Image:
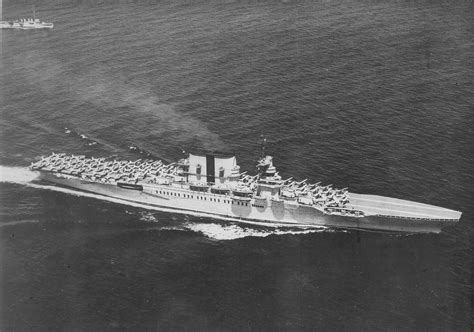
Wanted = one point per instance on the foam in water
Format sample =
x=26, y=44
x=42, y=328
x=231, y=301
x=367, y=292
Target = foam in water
x=17, y=222
x=89, y=141
x=232, y=232
x=148, y=217
x=24, y=176
x=20, y=175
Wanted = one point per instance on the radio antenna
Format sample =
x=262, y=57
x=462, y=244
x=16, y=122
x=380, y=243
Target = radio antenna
x=263, y=145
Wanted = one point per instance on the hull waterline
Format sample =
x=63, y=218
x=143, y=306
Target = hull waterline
x=276, y=213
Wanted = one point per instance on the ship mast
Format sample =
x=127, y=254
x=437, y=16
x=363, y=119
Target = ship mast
x=263, y=145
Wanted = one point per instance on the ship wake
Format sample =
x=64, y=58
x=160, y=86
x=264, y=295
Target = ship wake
x=19, y=175
x=26, y=177
x=234, y=231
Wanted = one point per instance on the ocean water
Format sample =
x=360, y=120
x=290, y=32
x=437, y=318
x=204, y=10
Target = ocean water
x=376, y=96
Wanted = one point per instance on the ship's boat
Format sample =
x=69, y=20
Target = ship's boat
x=242, y=195
x=202, y=187
x=211, y=183
x=130, y=186
x=220, y=190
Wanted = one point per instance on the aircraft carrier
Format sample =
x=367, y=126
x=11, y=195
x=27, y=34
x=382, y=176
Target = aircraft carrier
x=212, y=184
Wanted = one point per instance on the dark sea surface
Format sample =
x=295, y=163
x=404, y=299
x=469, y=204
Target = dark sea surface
x=373, y=95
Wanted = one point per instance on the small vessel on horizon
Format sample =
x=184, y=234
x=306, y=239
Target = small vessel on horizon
x=26, y=23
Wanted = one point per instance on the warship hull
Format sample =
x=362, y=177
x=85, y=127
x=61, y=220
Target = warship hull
x=380, y=213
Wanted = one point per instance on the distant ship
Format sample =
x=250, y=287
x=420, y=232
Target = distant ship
x=211, y=183
x=26, y=23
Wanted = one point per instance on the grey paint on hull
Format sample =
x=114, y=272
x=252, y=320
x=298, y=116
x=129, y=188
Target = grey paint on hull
x=282, y=213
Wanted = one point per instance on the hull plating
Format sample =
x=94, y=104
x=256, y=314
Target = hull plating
x=278, y=212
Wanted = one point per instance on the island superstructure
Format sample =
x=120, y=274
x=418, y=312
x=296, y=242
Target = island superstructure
x=212, y=183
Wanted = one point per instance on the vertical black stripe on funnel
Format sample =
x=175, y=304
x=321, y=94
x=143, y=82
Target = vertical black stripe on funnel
x=210, y=168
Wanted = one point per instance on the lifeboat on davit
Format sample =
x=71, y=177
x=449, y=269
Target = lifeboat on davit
x=130, y=186
x=242, y=194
